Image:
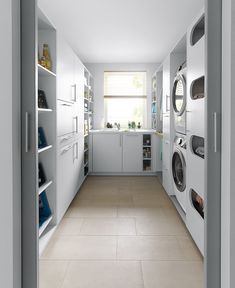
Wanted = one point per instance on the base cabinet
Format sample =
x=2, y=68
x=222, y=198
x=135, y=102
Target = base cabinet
x=132, y=154
x=117, y=152
x=107, y=152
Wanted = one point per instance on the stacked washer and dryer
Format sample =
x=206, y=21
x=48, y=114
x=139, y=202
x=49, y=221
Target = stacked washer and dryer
x=179, y=100
x=187, y=161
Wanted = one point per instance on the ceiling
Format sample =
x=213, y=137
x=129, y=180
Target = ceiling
x=122, y=31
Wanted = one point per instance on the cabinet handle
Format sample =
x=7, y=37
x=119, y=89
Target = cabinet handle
x=120, y=140
x=75, y=119
x=75, y=147
x=66, y=149
x=65, y=104
x=65, y=138
x=26, y=132
x=74, y=93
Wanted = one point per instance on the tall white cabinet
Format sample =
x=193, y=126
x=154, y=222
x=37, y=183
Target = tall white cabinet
x=70, y=125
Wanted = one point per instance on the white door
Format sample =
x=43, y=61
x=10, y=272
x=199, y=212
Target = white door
x=107, y=152
x=132, y=152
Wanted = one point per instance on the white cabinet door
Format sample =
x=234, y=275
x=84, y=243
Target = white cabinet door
x=65, y=71
x=65, y=185
x=132, y=152
x=107, y=152
x=66, y=122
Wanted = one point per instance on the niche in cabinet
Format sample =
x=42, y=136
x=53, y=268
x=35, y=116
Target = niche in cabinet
x=198, y=88
x=198, y=31
x=197, y=145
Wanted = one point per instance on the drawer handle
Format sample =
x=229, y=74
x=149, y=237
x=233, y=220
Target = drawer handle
x=66, y=149
x=65, y=104
x=65, y=138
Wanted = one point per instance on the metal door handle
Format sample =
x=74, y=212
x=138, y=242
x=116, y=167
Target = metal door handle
x=216, y=132
x=26, y=132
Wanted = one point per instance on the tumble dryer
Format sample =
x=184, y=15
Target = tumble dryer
x=179, y=169
x=179, y=100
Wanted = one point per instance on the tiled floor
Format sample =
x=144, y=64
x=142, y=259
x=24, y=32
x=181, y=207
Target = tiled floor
x=121, y=232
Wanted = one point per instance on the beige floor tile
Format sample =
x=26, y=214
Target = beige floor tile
x=148, y=248
x=151, y=199
x=189, y=249
x=81, y=247
x=160, y=225
x=104, y=274
x=112, y=226
x=169, y=274
x=52, y=273
x=139, y=211
x=92, y=210
x=69, y=226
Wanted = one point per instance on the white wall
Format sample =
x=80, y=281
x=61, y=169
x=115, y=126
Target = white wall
x=10, y=218
x=97, y=70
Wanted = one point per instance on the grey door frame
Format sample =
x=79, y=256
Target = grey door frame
x=213, y=91
x=29, y=126
x=213, y=162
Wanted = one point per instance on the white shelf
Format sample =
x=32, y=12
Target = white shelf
x=44, y=149
x=45, y=72
x=44, y=110
x=86, y=164
x=147, y=159
x=44, y=225
x=44, y=187
x=85, y=150
x=85, y=135
x=146, y=146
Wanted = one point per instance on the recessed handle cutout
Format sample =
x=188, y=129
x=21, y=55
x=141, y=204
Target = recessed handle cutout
x=198, y=88
x=198, y=31
x=197, y=202
x=197, y=145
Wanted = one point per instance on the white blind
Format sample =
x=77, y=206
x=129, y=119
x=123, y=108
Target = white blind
x=125, y=84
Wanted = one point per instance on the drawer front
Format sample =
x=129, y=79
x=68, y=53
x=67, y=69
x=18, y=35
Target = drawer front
x=67, y=122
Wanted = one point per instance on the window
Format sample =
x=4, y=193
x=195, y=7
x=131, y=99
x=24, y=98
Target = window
x=125, y=97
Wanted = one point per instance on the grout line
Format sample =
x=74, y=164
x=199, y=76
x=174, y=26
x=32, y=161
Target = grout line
x=142, y=273
x=65, y=274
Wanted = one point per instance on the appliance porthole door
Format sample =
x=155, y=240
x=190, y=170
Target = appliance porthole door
x=178, y=170
x=179, y=94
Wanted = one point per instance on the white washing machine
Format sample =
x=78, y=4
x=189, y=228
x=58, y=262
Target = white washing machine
x=178, y=168
x=179, y=100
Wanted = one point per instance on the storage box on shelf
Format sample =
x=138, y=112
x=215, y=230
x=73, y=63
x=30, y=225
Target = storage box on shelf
x=46, y=123
x=196, y=131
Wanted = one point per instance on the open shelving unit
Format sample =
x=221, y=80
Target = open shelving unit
x=156, y=104
x=47, y=120
x=147, y=152
x=88, y=116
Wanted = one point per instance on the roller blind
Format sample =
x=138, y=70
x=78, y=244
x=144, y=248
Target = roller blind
x=125, y=84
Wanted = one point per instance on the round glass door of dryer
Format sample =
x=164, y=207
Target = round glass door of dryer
x=179, y=170
x=179, y=94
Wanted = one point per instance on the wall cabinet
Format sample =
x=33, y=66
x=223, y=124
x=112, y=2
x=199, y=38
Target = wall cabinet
x=107, y=152
x=65, y=68
x=132, y=152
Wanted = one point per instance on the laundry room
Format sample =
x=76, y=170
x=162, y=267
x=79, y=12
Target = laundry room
x=120, y=130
